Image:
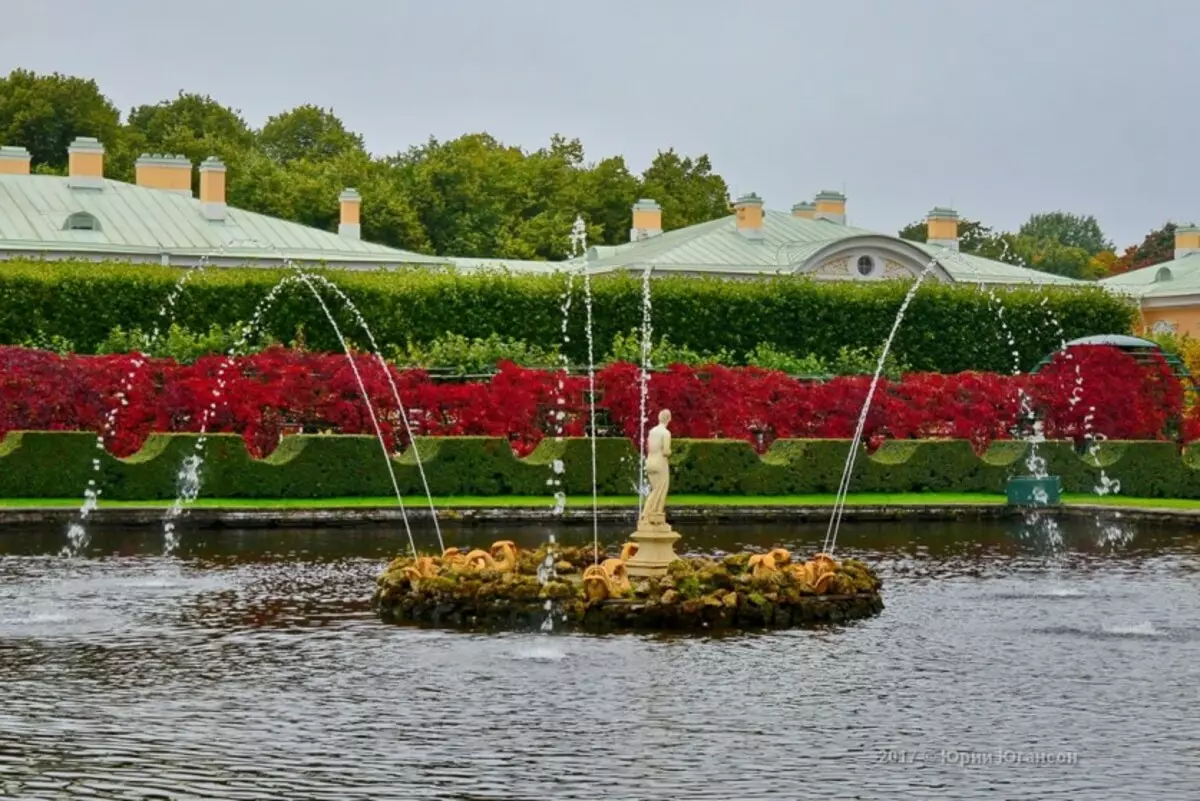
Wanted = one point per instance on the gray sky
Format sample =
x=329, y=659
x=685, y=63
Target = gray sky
x=998, y=107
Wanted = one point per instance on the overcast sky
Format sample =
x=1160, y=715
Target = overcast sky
x=997, y=107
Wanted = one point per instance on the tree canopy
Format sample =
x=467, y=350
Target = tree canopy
x=1157, y=247
x=1069, y=230
x=44, y=113
x=469, y=196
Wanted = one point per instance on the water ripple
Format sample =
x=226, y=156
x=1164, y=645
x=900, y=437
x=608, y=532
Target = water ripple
x=238, y=671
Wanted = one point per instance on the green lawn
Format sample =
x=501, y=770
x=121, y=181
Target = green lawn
x=584, y=502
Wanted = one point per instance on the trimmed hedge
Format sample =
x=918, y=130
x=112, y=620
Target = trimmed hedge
x=948, y=328
x=59, y=465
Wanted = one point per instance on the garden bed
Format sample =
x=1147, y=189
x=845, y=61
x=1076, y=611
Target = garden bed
x=501, y=589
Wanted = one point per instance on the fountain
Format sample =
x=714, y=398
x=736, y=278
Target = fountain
x=644, y=586
x=839, y=503
x=190, y=476
x=1038, y=489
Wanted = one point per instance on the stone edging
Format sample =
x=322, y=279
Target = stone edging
x=239, y=517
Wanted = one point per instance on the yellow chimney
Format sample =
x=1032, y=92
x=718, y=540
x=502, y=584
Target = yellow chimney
x=165, y=172
x=351, y=205
x=14, y=161
x=647, y=220
x=1187, y=240
x=941, y=227
x=748, y=211
x=85, y=163
x=212, y=189
x=805, y=211
x=831, y=206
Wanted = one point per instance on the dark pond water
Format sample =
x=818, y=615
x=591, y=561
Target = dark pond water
x=251, y=668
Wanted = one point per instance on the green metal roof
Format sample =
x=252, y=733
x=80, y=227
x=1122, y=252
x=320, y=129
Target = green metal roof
x=138, y=221
x=788, y=242
x=717, y=244
x=970, y=268
x=1174, y=278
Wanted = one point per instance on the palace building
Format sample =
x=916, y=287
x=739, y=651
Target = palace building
x=158, y=219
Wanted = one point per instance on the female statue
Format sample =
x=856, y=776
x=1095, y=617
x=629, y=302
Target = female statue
x=658, y=451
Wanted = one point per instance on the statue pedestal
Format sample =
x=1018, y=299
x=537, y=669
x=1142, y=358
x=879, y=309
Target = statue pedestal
x=656, y=547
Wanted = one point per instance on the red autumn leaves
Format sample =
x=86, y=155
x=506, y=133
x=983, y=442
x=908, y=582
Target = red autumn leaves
x=1095, y=389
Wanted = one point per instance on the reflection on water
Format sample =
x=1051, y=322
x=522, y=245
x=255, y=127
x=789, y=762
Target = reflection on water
x=251, y=668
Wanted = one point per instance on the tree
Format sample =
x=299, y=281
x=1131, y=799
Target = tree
x=1157, y=247
x=687, y=189
x=1102, y=263
x=258, y=183
x=191, y=125
x=312, y=188
x=1052, y=256
x=973, y=237
x=307, y=132
x=476, y=196
x=1069, y=230
x=44, y=113
x=468, y=193
x=470, y=196
x=190, y=117
x=607, y=193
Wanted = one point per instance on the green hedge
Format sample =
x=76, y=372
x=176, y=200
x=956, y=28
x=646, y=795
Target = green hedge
x=59, y=465
x=947, y=328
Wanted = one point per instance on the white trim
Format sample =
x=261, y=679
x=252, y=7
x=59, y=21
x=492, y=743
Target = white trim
x=1172, y=302
x=879, y=246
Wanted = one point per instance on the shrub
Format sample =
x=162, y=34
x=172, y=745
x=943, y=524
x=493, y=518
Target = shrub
x=54, y=343
x=627, y=347
x=769, y=357
x=263, y=395
x=948, y=328
x=179, y=343
x=59, y=465
x=865, y=361
x=474, y=356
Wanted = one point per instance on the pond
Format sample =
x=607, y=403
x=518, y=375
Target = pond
x=252, y=667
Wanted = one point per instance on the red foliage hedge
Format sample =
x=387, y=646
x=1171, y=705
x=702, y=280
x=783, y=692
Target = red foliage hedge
x=1093, y=389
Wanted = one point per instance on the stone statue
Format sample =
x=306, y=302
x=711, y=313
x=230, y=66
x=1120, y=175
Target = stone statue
x=653, y=546
x=658, y=470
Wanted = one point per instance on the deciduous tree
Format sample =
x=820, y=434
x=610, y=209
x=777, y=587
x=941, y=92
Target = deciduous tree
x=1069, y=230
x=686, y=188
x=307, y=132
x=44, y=113
x=1157, y=247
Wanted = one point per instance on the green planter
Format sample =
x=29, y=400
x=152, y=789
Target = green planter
x=1033, y=491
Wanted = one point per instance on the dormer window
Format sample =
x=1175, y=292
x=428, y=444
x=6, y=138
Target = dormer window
x=81, y=221
x=1163, y=274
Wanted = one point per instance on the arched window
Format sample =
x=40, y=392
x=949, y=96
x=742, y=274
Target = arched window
x=1162, y=327
x=81, y=221
x=1163, y=274
x=865, y=266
